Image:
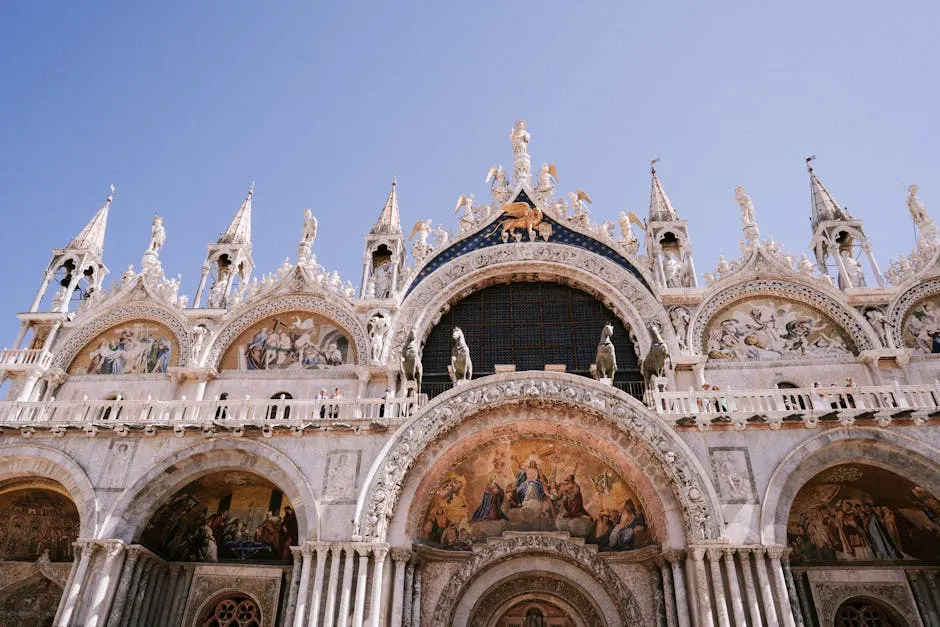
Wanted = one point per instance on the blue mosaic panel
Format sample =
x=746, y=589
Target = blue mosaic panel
x=490, y=236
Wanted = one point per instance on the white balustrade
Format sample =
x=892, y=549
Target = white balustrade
x=223, y=412
x=25, y=357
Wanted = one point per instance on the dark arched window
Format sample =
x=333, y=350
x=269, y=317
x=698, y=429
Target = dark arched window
x=529, y=325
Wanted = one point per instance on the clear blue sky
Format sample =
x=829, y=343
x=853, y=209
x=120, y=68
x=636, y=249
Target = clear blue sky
x=183, y=104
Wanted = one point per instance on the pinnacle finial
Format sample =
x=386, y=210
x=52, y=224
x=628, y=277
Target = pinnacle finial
x=653, y=163
x=251, y=189
x=111, y=195
x=809, y=159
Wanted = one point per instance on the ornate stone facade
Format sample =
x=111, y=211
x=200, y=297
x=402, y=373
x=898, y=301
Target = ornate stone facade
x=282, y=456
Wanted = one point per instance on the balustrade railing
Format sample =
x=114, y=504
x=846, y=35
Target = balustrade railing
x=291, y=412
x=25, y=357
x=881, y=402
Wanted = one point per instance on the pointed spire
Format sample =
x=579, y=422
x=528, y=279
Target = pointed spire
x=661, y=209
x=239, y=231
x=92, y=236
x=389, y=220
x=825, y=206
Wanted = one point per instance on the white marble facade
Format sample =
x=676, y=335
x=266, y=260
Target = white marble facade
x=271, y=456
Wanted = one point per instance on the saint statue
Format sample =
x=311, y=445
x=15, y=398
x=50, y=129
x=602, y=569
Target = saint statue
x=377, y=328
x=853, y=269
x=310, y=228
x=747, y=207
x=916, y=207
x=157, y=235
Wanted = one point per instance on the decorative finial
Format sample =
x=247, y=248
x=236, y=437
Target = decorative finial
x=809, y=168
x=111, y=195
x=251, y=190
x=394, y=181
x=653, y=163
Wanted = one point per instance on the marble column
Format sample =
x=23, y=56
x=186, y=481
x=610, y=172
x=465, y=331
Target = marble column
x=922, y=597
x=182, y=591
x=378, y=574
x=783, y=596
x=702, y=594
x=140, y=595
x=678, y=581
x=766, y=591
x=400, y=559
x=750, y=593
x=734, y=588
x=791, y=589
x=932, y=585
x=135, y=586
x=321, y=550
x=362, y=577
x=77, y=553
x=177, y=595
x=302, y=556
x=721, y=605
x=346, y=590
x=669, y=598
x=330, y=609
x=124, y=586
x=106, y=576
x=150, y=601
x=406, y=601
x=72, y=594
x=290, y=607
x=416, y=598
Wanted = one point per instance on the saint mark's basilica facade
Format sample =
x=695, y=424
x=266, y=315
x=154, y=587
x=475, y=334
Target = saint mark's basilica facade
x=533, y=419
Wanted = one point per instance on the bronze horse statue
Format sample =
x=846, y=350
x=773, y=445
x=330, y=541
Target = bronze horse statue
x=461, y=367
x=411, y=368
x=657, y=360
x=605, y=363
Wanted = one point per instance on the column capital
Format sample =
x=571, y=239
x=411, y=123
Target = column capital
x=776, y=552
x=380, y=552
x=729, y=552
x=112, y=548
x=674, y=557
x=400, y=554
x=363, y=550
x=714, y=552
x=697, y=553
x=758, y=551
x=931, y=575
x=298, y=552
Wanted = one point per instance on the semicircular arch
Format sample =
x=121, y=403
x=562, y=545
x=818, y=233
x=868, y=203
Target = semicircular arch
x=243, y=318
x=20, y=461
x=701, y=511
x=139, y=502
x=69, y=348
x=903, y=455
x=902, y=307
x=850, y=321
x=618, y=289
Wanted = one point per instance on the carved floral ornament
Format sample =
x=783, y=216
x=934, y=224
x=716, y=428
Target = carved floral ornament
x=245, y=317
x=79, y=338
x=698, y=502
x=628, y=298
x=830, y=314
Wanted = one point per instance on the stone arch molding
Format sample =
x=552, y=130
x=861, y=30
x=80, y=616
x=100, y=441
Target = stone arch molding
x=689, y=480
x=246, y=316
x=908, y=457
x=138, y=503
x=905, y=301
x=632, y=302
x=75, y=341
x=586, y=559
x=26, y=461
x=852, y=322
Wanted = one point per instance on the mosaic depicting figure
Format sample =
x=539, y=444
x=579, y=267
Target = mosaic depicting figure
x=224, y=516
x=763, y=330
x=534, y=485
x=921, y=328
x=289, y=341
x=138, y=348
x=33, y=522
x=856, y=512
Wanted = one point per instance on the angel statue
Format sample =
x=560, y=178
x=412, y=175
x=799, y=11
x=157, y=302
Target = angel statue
x=548, y=178
x=629, y=241
x=157, y=235
x=421, y=249
x=581, y=214
x=498, y=182
x=310, y=228
x=916, y=207
x=468, y=219
x=441, y=237
x=747, y=207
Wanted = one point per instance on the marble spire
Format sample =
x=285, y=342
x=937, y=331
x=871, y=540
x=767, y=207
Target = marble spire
x=92, y=236
x=239, y=231
x=661, y=209
x=825, y=206
x=389, y=221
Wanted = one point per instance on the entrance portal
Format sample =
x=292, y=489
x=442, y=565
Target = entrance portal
x=535, y=613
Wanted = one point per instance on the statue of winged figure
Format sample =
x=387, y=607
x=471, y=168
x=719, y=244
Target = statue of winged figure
x=626, y=219
x=157, y=234
x=548, y=178
x=422, y=229
x=522, y=216
x=581, y=214
x=468, y=219
x=498, y=181
x=310, y=228
x=915, y=206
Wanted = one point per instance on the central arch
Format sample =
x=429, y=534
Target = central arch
x=683, y=473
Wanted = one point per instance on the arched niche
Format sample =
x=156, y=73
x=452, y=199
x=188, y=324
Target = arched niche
x=224, y=516
x=134, y=347
x=528, y=324
x=37, y=517
x=32, y=601
x=533, y=476
x=858, y=512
